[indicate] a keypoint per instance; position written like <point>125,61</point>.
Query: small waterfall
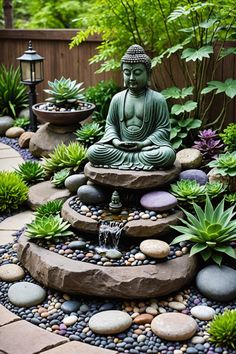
<point>109,234</point>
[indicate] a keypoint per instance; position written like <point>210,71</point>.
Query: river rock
<point>158,201</point>
<point>5,123</point>
<point>24,139</point>
<point>73,182</point>
<point>14,132</point>
<point>24,294</point>
<point>113,254</point>
<point>11,272</point>
<point>202,312</point>
<point>143,318</point>
<point>92,194</point>
<point>176,305</point>
<point>174,326</point>
<point>70,306</point>
<point>189,158</point>
<point>155,248</point>
<point>217,283</point>
<point>197,175</point>
<point>70,320</point>
<point>110,322</point>
<point>77,245</point>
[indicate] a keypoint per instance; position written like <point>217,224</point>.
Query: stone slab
<point>10,164</point>
<point>131,179</point>
<point>43,192</point>
<point>22,337</point>
<point>7,317</point>
<point>78,348</point>
<point>16,222</point>
<point>4,147</point>
<point>8,153</point>
<point>5,237</point>
<point>75,277</point>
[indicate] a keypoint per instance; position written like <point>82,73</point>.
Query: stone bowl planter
<point>62,118</point>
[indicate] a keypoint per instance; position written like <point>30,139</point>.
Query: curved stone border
<point>131,179</point>
<point>135,228</point>
<point>75,277</point>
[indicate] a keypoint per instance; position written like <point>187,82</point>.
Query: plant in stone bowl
<point>48,227</point>
<point>188,191</point>
<point>53,207</point>
<point>222,329</point>
<point>89,133</point>
<point>65,105</point>
<point>59,177</point>
<point>31,172</point>
<point>210,230</point>
<point>63,156</point>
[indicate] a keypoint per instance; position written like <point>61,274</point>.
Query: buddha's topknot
<point>136,54</point>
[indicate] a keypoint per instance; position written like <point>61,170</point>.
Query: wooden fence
<point>74,63</point>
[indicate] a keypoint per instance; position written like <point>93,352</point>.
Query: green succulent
<point>188,191</point>
<point>53,207</point>
<point>59,177</point>
<point>225,164</point>
<point>48,227</point>
<point>64,91</point>
<point>215,188</point>
<point>21,122</point>
<point>89,133</point>
<point>229,137</point>
<point>231,198</point>
<point>210,230</point>
<point>13,191</point>
<point>31,172</point>
<point>222,329</point>
<point>64,156</point>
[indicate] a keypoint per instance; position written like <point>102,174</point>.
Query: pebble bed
<point>25,153</point>
<point>81,106</point>
<point>69,316</point>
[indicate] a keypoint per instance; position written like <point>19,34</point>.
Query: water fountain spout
<point>109,235</point>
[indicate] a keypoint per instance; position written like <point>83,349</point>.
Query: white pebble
<point>70,320</point>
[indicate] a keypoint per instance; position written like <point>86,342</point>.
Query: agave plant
<point>210,230</point>
<point>89,133</point>
<point>13,191</point>
<point>48,227</point>
<point>59,177</point>
<point>188,191</point>
<point>215,188</point>
<point>53,207</point>
<point>31,172</point>
<point>64,92</point>
<point>64,156</point>
<point>225,164</point>
<point>222,329</point>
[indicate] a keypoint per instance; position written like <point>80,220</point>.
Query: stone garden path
<point>16,335</point>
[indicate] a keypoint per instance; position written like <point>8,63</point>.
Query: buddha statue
<point>137,128</point>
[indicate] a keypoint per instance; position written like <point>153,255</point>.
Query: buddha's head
<point>136,67</point>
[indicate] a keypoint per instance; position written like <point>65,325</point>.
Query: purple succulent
<point>207,134</point>
<point>208,144</point>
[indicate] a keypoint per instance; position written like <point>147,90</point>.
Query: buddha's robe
<point>155,127</point>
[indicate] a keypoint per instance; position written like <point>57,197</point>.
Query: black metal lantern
<point>31,71</point>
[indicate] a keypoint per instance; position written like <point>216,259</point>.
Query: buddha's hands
<point>130,145</point>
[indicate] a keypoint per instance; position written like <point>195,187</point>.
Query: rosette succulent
<point>225,164</point>
<point>231,198</point>
<point>59,177</point>
<point>53,207</point>
<point>210,230</point>
<point>215,188</point>
<point>89,133</point>
<point>208,144</point>
<point>222,329</point>
<point>31,172</point>
<point>188,191</point>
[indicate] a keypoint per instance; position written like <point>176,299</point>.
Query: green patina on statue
<point>137,128</point>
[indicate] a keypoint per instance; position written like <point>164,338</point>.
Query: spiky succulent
<point>21,122</point>
<point>188,191</point>
<point>31,172</point>
<point>231,198</point>
<point>64,92</point>
<point>222,329</point>
<point>225,164</point>
<point>229,137</point>
<point>53,207</point>
<point>13,191</point>
<point>48,227</point>
<point>64,156</point>
<point>208,144</point>
<point>211,230</point>
<point>59,177</point>
<point>89,133</point>
<point>215,188</point>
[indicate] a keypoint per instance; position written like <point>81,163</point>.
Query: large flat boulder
<point>75,277</point>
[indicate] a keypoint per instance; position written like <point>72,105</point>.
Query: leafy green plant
<point>101,95</point>
<point>48,227</point>
<point>13,96</point>
<point>71,156</point>
<point>188,191</point>
<point>31,172</point>
<point>64,92</point>
<point>21,122</point>
<point>180,130</point>
<point>53,207</point>
<point>89,133</point>
<point>211,230</point>
<point>231,198</point>
<point>225,164</point>
<point>215,188</point>
<point>222,329</point>
<point>13,191</point>
<point>59,177</point>
<point>229,137</point>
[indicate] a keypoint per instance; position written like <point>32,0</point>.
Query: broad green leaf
<point>171,92</point>
<point>174,49</point>
<point>199,247</point>
<point>228,87</point>
<point>181,108</point>
<point>191,54</point>
<point>227,51</point>
<point>208,23</point>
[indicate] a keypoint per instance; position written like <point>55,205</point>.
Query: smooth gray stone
<point>5,123</point>
<point>73,182</point>
<point>198,175</point>
<point>91,194</point>
<point>24,294</point>
<point>74,245</point>
<point>70,306</point>
<point>158,201</point>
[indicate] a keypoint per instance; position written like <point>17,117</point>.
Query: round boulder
<point>155,248</point>
<point>24,294</point>
<point>189,158</point>
<point>5,123</point>
<point>217,283</point>
<point>197,175</point>
<point>92,194</point>
<point>14,132</point>
<point>158,201</point>
<point>11,272</point>
<point>110,322</point>
<point>73,182</point>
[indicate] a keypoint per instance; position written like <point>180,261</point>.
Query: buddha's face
<point>135,76</point>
